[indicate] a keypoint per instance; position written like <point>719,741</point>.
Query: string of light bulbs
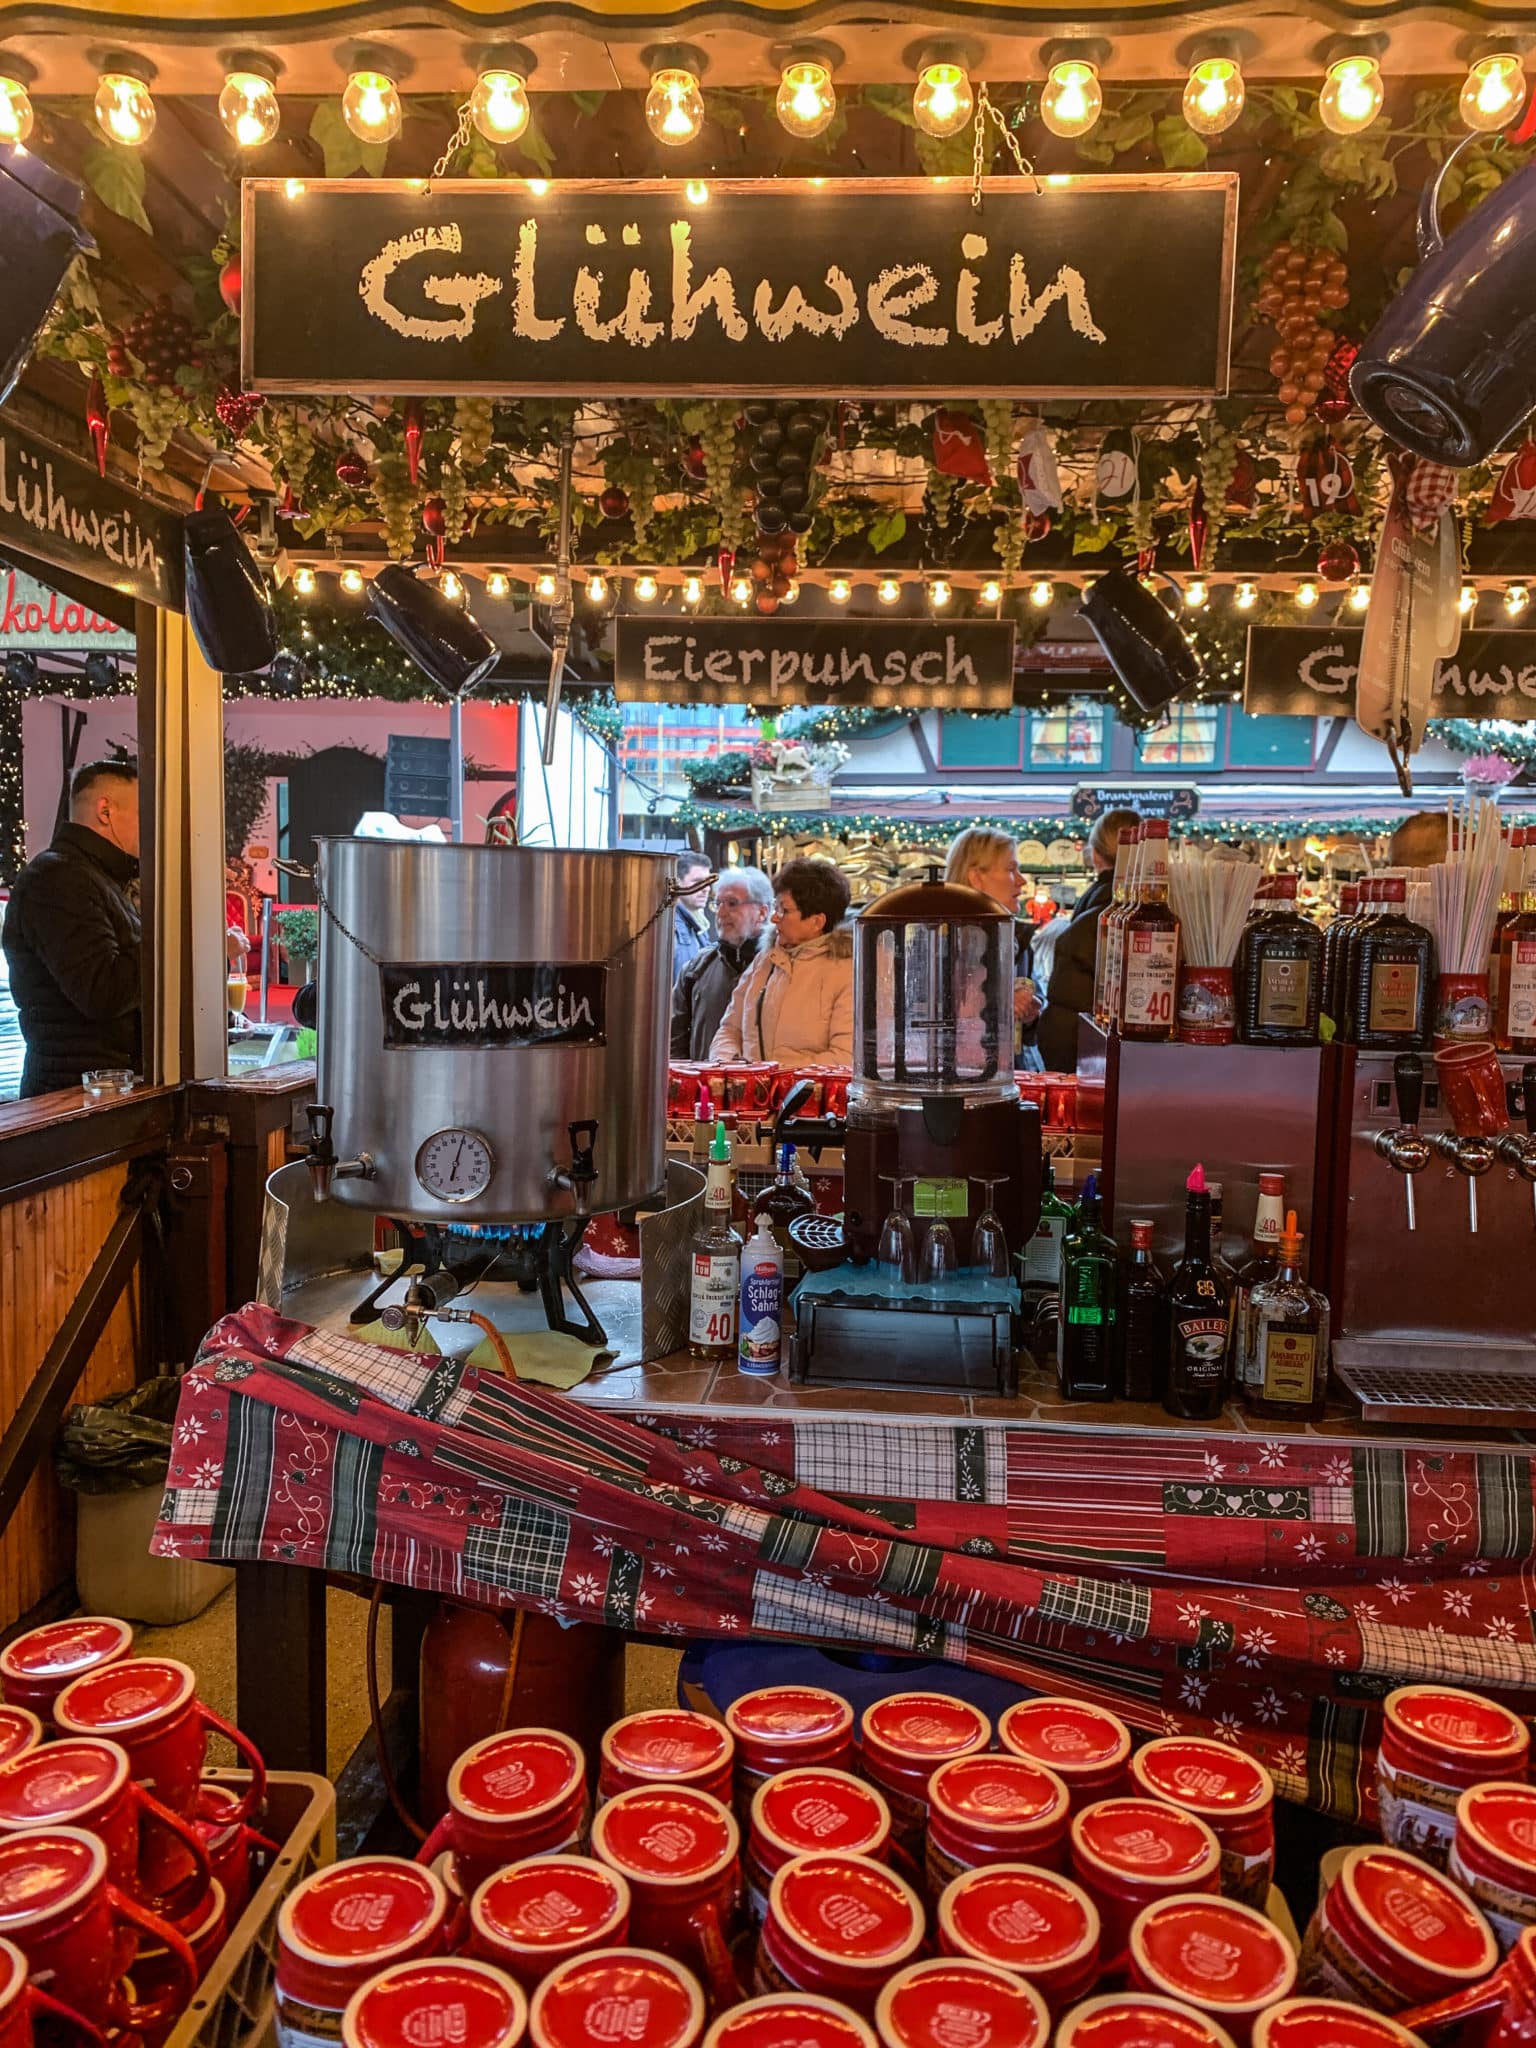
<point>1492,94</point>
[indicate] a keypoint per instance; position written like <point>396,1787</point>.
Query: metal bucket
<point>475,1003</point>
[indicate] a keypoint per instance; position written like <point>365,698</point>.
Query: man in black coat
<point>1070,993</point>
<point>72,936</point>
<point>743,904</point>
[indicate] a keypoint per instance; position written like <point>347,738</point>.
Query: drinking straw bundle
<point>1211,891</point>
<point>1464,889</point>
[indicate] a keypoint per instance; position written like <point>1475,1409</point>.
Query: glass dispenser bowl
<point>933,974</point>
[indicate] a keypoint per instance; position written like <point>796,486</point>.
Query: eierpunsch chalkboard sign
<point>849,287</point>
<point>492,1005</point>
<point>915,663</point>
<point>1309,672</point>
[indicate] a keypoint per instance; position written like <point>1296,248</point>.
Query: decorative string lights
<point>498,106</point>
<point>248,104</point>
<point>1352,93</point>
<point>371,106</point>
<point>942,99</point>
<point>1215,93</point>
<point>1494,92</point>
<point>16,116</point>
<point>807,98</point>
<point>124,105</point>
<point>674,106</point>
<point>1072,98</point>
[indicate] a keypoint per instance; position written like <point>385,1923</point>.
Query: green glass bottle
<point>1042,1255</point>
<point>1086,1344</point>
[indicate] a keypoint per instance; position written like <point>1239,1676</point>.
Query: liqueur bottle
<point>1333,948</point>
<point>1198,1317</point>
<point>784,1198</point>
<point>1150,949</point>
<point>1511,902</point>
<point>1290,1322</point>
<point>1268,1222</point>
<point>1279,974</point>
<point>1042,1255</point>
<point>1106,958</point>
<point>1393,975</point>
<point>703,1127</point>
<point>715,1273</point>
<point>1514,1024</point>
<point>1086,1341</point>
<point>1143,1317</point>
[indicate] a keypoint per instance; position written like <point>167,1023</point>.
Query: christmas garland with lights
<point>1517,743</point>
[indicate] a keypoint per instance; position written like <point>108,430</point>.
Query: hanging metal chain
<point>457,141</point>
<point>985,113</point>
<point>345,930</point>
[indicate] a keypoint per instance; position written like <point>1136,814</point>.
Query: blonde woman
<point>1070,992</point>
<point>989,861</point>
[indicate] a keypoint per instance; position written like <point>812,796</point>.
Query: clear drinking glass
<point>939,1259</point>
<point>989,1241</point>
<point>896,1254</point>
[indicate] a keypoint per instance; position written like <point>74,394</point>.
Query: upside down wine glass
<point>989,1241</point>
<point>896,1254</point>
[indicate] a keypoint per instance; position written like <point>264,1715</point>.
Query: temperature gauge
<point>455,1165</point>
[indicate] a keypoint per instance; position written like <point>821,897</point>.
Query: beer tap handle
<point>1408,1086</point>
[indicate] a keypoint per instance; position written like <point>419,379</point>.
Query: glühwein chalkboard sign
<point>849,287</point>
<point>914,663</point>
<point>492,1005</point>
<point>1309,672</point>
<point>60,511</point>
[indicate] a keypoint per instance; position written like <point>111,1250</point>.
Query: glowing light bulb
<point>792,595</point>
<point>1516,598</point>
<point>674,106</point>
<point>991,591</point>
<point>1196,593</point>
<point>15,110</point>
<point>597,588</point>
<point>451,586</point>
<point>807,100</point>
<point>741,590</point>
<point>498,106</point>
<point>1306,595</point>
<point>888,590</point>
<point>248,108</point>
<point>1072,99</point>
<point>351,581</point>
<point>1042,592</point>
<point>547,587</point>
<point>1359,596</point>
<point>696,192</point>
<point>497,584</point>
<point>371,108</point>
<point>693,590</point>
<point>1246,596</point>
<point>1467,602</point>
<point>1214,96</point>
<point>942,101</point>
<point>304,582</point>
<point>1494,93</point>
<point>1351,96</point>
<point>939,592</point>
<point>839,590</point>
<point>125,109</point>
<point>645,589</point>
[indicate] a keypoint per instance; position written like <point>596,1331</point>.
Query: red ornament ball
<point>1338,562</point>
<point>434,517</point>
<point>614,503</point>
<point>352,471</point>
<point>694,463</point>
<point>229,283</point>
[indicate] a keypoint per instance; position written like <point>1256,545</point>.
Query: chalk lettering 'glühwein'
<point>493,1005</point>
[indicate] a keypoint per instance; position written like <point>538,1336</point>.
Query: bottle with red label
<point>1393,975</point>
<point>1334,941</point>
<point>1199,1317</point>
<point>1106,962</point>
<point>1514,1022</point>
<point>1511,903</point>
<point>1149,972</point>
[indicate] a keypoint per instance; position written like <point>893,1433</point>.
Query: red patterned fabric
<point>1267,1591</point>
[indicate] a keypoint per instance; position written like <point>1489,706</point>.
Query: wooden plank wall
<point>48,1242</point>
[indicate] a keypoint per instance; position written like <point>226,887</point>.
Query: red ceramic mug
<point>1139,2019</point>
<point>75,1928</point>
<point>667,1746</point>
<point>230,1842</point>
<point>1436,1741</point>
<point>150,1706</point>
<point>536,1914</point>
<point>784,1728</point>
<point>1222,1958</point>
<point>445,2002</point>
<point>21,2003</point>
<point>519,1793</point>
<point>1232,1793</point>
<point>679,1851</point>
<point>340,1927</point>
<point>956,2002</point>
<point>1472,1088</point>
<point>82,1781</point>
<point>1086,1746</point>
<point>790,2019</point>
<point>902,1741</point>
<point>1036,1923</point>
<point>837,1925</point>
<point>1493,1856</point>
<point>1328,2023</point>
<point>36,1667</point>
<point>1130,1853</point>
<point>1392,1933</point>
<point>805,1812</point>
<point>20,1730</point>
<point>993,1809</point>
<point>617,1998</point>
<point>154,1968</point>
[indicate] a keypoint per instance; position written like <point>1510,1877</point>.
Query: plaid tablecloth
<point>1268,1592</point>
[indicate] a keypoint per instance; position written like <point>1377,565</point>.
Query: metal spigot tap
<point>325,1169</point>
<point>1406,1149</point>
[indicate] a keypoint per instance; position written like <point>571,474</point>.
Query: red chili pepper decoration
<point>1199,527</point>
<point>97,419</point>
<point>413,428</point>
<point>725,562</point>
<point>434,517</point>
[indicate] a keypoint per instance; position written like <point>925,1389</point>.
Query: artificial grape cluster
<point>997,422</point>
<point>1008,539</point>
<point>157,415</point>
<point>773,570</point>
<point>162,340</point>
<point>294,444</point>
<point>474,422</point>
<point>1299,286</point>
<point>454,491</point>
<point>397,499</point>
<point>781,457</point>
<point>941,495</point>
<point>717,439</point>
<point>1218,466</point>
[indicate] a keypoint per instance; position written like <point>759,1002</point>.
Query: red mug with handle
<point>36,1667</point>
<point>77,1930</point>
<point>150,1706</point>
<point>82,1781</point>
<point>21,2003</point>
<point>678,1849</point>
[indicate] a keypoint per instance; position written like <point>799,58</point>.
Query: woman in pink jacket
<point>794,1004</point>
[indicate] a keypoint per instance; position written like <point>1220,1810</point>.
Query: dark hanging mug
<point>1141,640</point>
<point>42,235</point>
<point>1449,369</point>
